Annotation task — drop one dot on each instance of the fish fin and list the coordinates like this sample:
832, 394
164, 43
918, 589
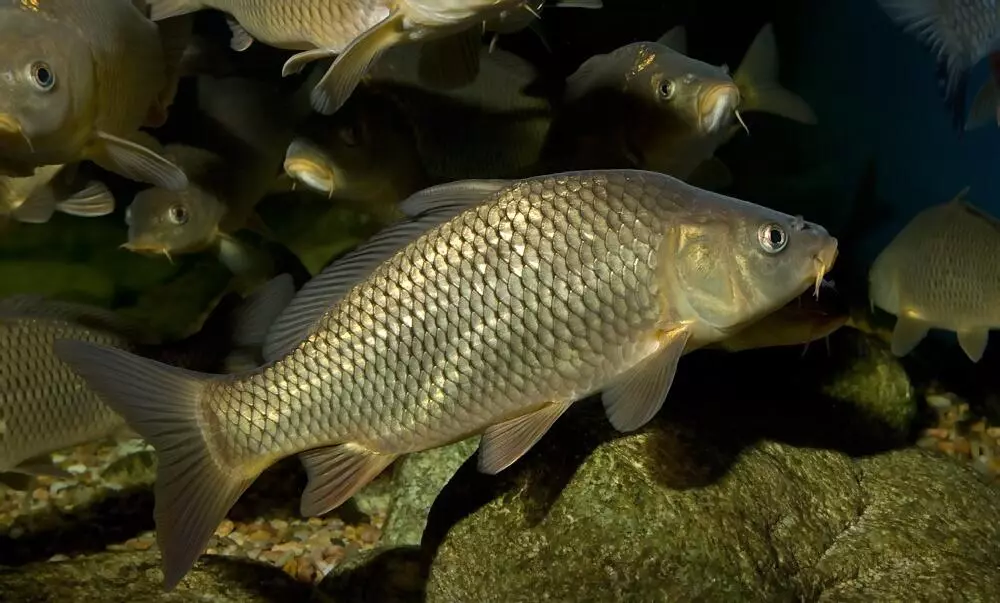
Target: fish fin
176, 34
42, 465
985, 106
711, 174
336, 473
137, 162
260, 309
676, 39
297, 62
907, 333
757, 79
935, 27
334, 281
38, 207
235, 255
164, 9
450, 62
973, 342
502, 444
451, 198
351, 65
194, 490
241, 38
21, 482
93, 201
634, 398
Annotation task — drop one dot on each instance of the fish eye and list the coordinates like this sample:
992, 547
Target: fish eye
178, 214
42, 76
666, 89
772, 237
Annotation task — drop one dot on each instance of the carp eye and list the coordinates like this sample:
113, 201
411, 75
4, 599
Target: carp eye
666, 89
772, 237
178, 214
42, 76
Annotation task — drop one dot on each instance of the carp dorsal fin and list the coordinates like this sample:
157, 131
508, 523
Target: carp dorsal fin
426, 209
675, 39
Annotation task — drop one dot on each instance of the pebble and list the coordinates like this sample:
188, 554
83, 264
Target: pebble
225, 528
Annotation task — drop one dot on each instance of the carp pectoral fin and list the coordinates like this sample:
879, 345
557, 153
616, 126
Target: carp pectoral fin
973, 342
336, 473
907, 333
297, 62
632, 400
504, 443
136, 162
92, 201
241, 38
351, 65
38, 207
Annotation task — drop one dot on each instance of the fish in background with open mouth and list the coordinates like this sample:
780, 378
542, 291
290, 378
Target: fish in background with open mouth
77, 81
490, 311
33, 199
648, 105
45, 406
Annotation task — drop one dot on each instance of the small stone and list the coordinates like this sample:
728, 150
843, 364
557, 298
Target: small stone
938, 401
279, 524
77, 469
225, 528
40, 494
306, 572
315, 522
993, 432
260, 536
57, 558
16, 532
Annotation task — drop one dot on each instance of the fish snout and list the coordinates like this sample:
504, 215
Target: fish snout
311, 173
717, 106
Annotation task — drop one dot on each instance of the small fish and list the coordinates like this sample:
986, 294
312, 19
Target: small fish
365, 154
960, 33
493, 309
649, 105
33, 199
250, 130
45, 406
81, 78
798, 323
940, 272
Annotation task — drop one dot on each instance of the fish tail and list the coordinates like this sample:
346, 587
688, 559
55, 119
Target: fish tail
194, 491
165, 9
757, 79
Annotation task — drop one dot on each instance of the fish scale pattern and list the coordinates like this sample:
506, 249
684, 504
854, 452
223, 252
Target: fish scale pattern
44, 405
323, 24
544, 293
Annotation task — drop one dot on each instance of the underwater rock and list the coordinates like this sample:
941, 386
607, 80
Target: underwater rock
417, 481
874, 380
669, 513
129, 577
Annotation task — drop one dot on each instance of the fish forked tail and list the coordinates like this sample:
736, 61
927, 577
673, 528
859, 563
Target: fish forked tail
933, 24
757, 79
193, 490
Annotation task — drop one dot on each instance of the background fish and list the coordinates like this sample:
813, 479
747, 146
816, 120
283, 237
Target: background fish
493, 310
800, 322
85, 77
412, 21
648, 105
940, 272
35, 198
45, 406
960, 33
247, 126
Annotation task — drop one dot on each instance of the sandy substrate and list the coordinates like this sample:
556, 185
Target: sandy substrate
305, 548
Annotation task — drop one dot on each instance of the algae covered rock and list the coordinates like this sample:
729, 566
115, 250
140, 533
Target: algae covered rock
130, 577
671, 514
